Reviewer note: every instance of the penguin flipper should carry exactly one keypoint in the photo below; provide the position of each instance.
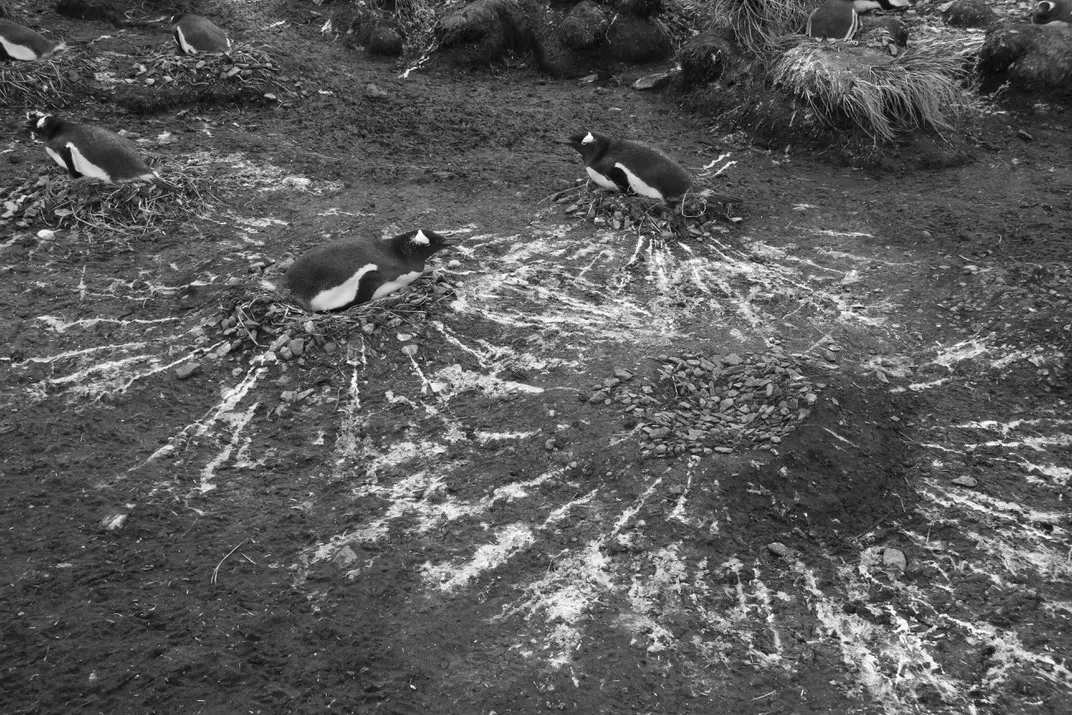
(366, 289)
(68, 159)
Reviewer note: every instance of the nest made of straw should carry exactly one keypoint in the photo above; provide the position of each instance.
(121, 211)
(43, 83)
(242, 69)
(926, 87)
(762, 26)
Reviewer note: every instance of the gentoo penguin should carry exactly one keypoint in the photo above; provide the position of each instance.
(194, 33)
(623, 165)
(88, 150)
(349, 271)
(22, 43)
(1053, 12)
(834, 19)
(863, 6)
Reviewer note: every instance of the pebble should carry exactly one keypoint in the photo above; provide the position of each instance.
(410, 349)
(296, 346)
(187, 369)
(374, 92)
(778, 549)
(894, 559)
(970, 482)
(331, 347)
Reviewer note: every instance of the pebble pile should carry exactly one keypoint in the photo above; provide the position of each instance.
(246, 68)
(703, 404)
(693, 218)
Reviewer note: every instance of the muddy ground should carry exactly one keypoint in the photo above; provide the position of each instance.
(455, 501)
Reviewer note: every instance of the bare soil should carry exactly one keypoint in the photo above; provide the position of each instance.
(442, 505)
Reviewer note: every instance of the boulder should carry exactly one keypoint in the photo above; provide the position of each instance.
(1033, 58)
(584, 26)
(87, 10)
(969, 13)
(484, 31)
(384, 41)
(637, 40)
(707, 56)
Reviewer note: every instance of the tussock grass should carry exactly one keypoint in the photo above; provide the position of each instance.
(927, 87)
(42, 83)
(762, 26)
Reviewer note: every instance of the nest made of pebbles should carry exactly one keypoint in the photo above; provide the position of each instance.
(694, 217)
(42, 83)
(261, 322)
(703, 404)
(116, 211)
(926, 87)
(242, 70)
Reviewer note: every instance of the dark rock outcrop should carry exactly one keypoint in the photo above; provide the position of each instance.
(969, 13)
(638, 40)
(483, 31)
(384, 41)
(1032, 58)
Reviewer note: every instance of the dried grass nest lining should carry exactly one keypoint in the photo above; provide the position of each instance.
(240, 66)
(58, 202)
(42, 82)
(927, 87)
(762, 26)
(262, 322)
(699, 404)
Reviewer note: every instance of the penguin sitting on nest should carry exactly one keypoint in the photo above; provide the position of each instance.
(1055, 13)
(833, 20)
(23, 44)
(350, 271)
(90, 151)
(632, 167)
(194, 34)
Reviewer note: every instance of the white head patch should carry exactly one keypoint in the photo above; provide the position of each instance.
(588, 138)
(420, 239)
(41, 121)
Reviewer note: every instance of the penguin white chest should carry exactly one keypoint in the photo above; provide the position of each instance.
(401, 282)
(600, 179)
(639, 185)
(18, 52)
(342, 294)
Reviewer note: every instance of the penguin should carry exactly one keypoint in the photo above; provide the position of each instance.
(834, 19)
(350, 271)
(22, 43)
(1053, 12)
(91, 151)
(194, 33)
(863, 6)
(632, 167)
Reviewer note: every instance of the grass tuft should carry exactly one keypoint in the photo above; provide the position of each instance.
(926, 87)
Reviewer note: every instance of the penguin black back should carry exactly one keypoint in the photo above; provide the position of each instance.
(23, 44)
(631, 166)
(195, 33)
(834, 19)
(89, 150)
(350, 271)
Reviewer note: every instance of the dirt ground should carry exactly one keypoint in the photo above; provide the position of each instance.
(454, 501)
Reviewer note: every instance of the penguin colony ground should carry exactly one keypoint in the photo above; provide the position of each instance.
(355, 270)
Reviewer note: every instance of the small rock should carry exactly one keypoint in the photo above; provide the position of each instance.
(778, 549)
(970, 482)
(732, 359)
(296, 346)
(894, 559)
(187, 369)
(331, 347)
(374, 92)
(410, 349)
(550, 444)
(344, 557)
(623, 375)
(46, 234)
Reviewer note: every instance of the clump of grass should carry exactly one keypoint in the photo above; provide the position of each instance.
(42, 83)
(883, 96)
(762, 26)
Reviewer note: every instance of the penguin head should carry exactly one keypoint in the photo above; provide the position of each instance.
(589, 144)
(421, 243)
(43, 125)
